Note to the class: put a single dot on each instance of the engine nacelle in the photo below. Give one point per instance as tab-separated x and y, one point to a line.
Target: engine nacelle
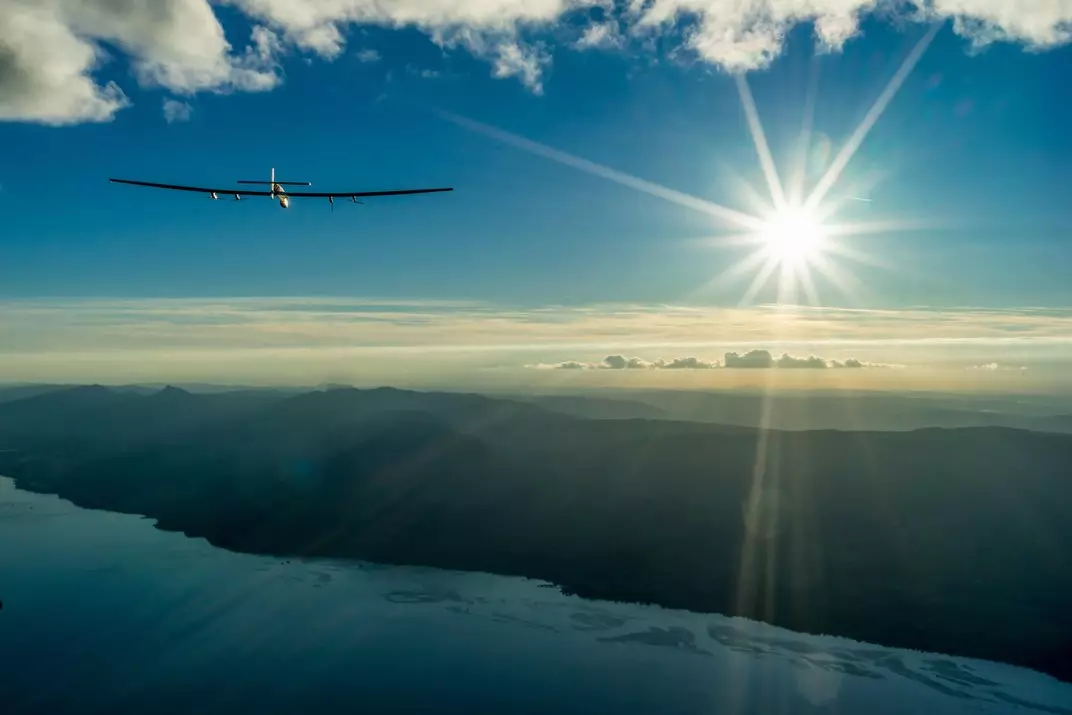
213	196
284	202
238	197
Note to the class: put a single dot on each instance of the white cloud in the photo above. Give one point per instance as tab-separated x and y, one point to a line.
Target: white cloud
809	363
748	34
602	36
45	71
318	25
176	111
688	363
619	362
51	50
368	56
998	367
178	44
763	359
1036	23
80	325
756	359
488	29
526	63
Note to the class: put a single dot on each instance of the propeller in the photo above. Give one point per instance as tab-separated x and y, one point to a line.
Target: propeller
331	202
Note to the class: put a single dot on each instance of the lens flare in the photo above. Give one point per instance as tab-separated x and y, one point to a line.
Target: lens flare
793	236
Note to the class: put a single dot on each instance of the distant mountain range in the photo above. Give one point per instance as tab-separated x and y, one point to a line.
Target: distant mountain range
841	410
949	540
785	410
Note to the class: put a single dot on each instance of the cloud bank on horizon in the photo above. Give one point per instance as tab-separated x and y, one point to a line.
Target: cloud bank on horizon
753	359
52	51
280	339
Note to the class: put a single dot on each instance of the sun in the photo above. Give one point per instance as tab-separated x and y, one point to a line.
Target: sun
793	236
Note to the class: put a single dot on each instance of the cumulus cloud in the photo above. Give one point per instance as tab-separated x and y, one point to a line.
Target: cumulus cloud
319	25
51	50
688	363
733	34
571	365
1039	24
45	71
176	111
368	56
619	362
748	34
492	30
763	359
526	63
809	363
754	359
751	359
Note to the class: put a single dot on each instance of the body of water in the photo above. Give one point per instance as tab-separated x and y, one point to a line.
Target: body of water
104	613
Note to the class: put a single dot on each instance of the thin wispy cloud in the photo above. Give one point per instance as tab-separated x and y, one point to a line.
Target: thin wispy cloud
601	36
51	71
368	56
176	111
303	340
31	325
998	367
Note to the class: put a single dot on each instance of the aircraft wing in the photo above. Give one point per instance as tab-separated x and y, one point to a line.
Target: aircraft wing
198	189
359	194
293	195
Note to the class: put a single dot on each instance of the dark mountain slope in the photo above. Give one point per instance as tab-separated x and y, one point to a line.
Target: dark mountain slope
954	541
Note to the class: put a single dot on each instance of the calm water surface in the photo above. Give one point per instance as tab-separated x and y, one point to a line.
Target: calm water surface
104	613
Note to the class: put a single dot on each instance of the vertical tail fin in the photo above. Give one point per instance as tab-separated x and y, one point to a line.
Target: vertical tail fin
272	187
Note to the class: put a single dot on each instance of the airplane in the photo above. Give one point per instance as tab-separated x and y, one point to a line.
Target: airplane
277	192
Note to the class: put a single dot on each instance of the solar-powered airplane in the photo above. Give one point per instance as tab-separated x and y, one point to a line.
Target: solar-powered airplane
277	192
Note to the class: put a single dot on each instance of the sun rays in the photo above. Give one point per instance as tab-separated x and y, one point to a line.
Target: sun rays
797	237
794	235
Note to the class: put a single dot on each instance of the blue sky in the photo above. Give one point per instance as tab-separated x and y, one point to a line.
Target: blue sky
966	170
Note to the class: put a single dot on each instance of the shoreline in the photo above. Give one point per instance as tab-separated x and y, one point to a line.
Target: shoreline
568	584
